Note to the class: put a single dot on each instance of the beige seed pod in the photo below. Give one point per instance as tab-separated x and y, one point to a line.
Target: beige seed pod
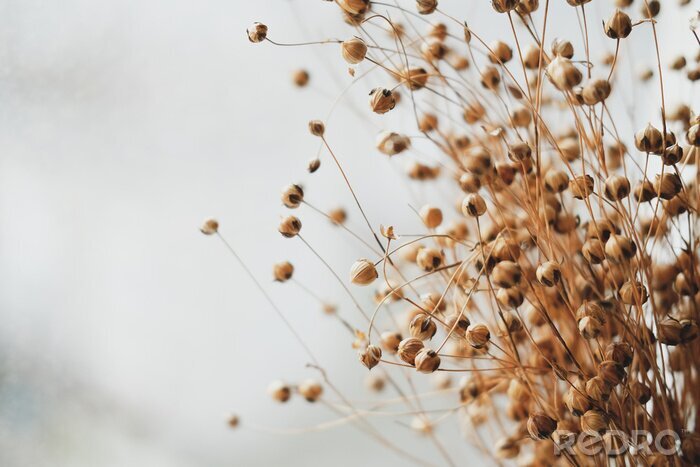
511	297
257	32
540	425
620	249
633	293
353	50
549	273
363	272
667	185
490	78
562	48
469	182
473	112
678	63
375	382
593	250
422	327
569	148
650	8
531	58
596	91
672	155
521	117
576	401
409	348
313	165
620	352
431	216
589	327
426	7
500	52
478	335
507	448
292	196
618	26
456	325
289	227
415	78
669	331
519	151
597	389
429	259
504	6
390	143
644	191
234	421
354	7
563	74
428	122
390	341
370	356
617	187
556	181
434	50
279	391
317	128
473	205
693	135
337	216
381	100
581	187
283	271
594	422
209	227
640	392
525	7
427	360
518	391
310	390
506	274
301	78
611	372
649	139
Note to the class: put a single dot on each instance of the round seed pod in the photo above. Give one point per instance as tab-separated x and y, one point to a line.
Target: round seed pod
426	7
381	100
511	297
594	422
549	273
427	360
678	63
416	78
577	2
510	323
390	143
429	259
521	117
353	50
422	327
370	356
490	78
500	52
433	50
506	274
504	6
581	187
519	151
317	128
618	26
589	327
209	227
375	382
684	286
301	78
469	182
289	227
478	335
457	324
354	7
279	391
672	155
596	91
617	187
633	293
507	448
556	181
257	32
640	392
428	123
531	59
473	112
409	348
611	372
234	421
473	205
540	425
597	389
667	185
669	332
620	352
337	216
650	9
283	271
390	341
363	272
576	401
562	48
431	216
620	249
292	196
563	74
649	139
693	135
313	165
644	191
517	391
593	250
311	390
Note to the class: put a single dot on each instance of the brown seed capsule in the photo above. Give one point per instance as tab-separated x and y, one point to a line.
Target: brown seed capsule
507	448
456	325
234	421
390	143
283	271
500	52
428	122
618	26
644	191
469	183
693	135
540	425
525	7
209	227
597	389
490	78
337	216
279	391
292	196
473	112
313	165
672	155
354	7
589	327
519	151
667	185
549	273
503	6
429	259
611	372
561	48
593	250
426	7
381	100
431	216
576	401
651	8
669	332
633	293
310	390
594	422
473	205
649	139
617	187
640	392
511	297
353	50
390	341
370	356
620	352
257	32
409	348
422	327
427	360
596	91
556	181
363	272
289	227
415	78
478	335
581	187
620	249
506	274
563	74
317	128
375	382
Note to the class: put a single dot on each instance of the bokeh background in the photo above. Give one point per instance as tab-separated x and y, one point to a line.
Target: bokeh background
128	338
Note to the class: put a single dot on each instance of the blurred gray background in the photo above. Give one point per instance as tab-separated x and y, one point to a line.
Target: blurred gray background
126	337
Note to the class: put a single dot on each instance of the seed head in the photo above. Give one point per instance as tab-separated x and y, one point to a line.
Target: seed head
562	48
478	335
370	356
649	139
426	7
422	327
292	196
289	227
598	389
618	26
556	181
314	165
209	227
549	273
525	7
354	7
617	187
317	128
279	391
311	390
581	187
301	78
390	143
596	91
257	32
353	50
620	249
390	341
283	271
363	272
667	185
611	372
234	421
594	422
381	100
563	74
431	216
500	53
427	360
473	205
504	6
640	392
506	274
458	324
409	348
429	259
540	425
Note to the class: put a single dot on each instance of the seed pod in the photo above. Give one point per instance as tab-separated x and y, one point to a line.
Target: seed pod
689	330
556	181
644	191
354	7
257	32
503	6
540	425
422	327
521	117
434	50
617	187
292	196
283	271
684	286
500	52
279	391
640	392
429	259
507	448
428	123
314	165
510	323
649	140
620	352
597	389
693	135
234	421
473	112
594	422
577	2
618	26
381	100
649	9
519	151
478	335
506	274
289	227
619	249
593	250
415	78
426	7
563	74
596	91
469	183
370	356
431	216
561	48
633	293
549	273
456	325
310	390
668	185
363	272
390	143
409	348
490	78
209	227
317	128
427	360
589	327
611	372
669	331
473	205
390	341
353	50
525	7
511	297
375	382
672	154
576	401
300	78
581	187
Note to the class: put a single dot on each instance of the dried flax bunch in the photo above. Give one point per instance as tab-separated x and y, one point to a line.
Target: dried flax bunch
565	292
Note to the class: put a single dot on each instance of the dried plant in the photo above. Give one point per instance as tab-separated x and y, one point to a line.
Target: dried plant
566	290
